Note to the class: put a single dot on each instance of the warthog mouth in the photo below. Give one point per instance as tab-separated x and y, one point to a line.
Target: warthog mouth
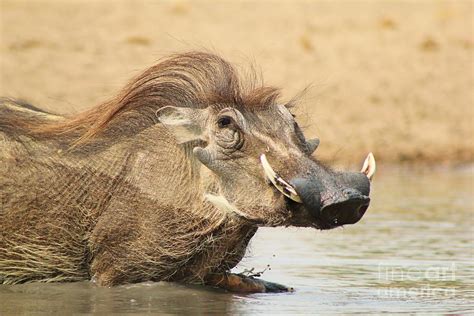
345	205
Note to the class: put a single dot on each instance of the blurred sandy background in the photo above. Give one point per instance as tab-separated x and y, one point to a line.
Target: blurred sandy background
393	77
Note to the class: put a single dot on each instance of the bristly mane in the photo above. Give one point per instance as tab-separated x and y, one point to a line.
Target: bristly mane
193	79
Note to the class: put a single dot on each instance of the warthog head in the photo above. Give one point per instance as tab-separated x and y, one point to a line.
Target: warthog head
264	166
254	159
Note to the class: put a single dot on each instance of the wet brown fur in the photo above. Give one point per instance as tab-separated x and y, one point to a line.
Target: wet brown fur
109	195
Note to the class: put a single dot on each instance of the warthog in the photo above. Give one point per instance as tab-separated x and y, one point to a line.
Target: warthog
167	181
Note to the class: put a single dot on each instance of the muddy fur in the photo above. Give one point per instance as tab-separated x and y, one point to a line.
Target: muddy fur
110	195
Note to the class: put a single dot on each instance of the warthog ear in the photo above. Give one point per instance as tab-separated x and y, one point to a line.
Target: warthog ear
184	123
312	145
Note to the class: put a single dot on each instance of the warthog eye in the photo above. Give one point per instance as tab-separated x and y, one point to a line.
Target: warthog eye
224	121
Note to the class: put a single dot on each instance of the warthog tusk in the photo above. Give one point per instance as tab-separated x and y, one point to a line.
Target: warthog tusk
284	187
369	166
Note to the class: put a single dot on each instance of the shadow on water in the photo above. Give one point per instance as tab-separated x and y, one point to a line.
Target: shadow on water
85	297
412	252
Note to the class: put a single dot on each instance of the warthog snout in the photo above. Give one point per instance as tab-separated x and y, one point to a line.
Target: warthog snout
330	199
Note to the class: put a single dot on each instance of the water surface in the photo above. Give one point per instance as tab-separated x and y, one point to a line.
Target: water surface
412	252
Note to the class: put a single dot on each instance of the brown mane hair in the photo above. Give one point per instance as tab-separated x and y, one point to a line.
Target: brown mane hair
193	79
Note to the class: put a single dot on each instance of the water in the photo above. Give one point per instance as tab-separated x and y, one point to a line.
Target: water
412	252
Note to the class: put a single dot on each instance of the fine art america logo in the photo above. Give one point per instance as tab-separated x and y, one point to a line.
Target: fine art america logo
405	281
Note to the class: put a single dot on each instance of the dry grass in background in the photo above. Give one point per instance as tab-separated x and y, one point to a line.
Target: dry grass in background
392	77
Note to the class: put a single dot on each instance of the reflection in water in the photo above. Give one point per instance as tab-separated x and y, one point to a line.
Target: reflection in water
412	252
84	297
